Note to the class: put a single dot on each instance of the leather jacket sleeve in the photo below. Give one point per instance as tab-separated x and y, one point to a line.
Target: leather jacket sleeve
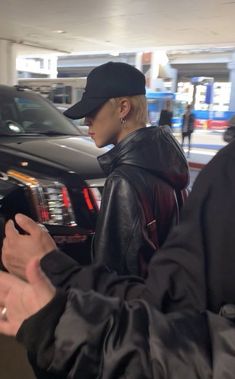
120	234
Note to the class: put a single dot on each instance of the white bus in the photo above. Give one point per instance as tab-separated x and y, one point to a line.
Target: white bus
63	92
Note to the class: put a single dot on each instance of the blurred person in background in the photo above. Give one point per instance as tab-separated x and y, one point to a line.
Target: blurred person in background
188	126
166	115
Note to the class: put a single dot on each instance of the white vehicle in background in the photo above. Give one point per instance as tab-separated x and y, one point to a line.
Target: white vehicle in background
62	92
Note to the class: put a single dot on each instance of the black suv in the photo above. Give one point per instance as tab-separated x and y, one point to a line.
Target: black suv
48	171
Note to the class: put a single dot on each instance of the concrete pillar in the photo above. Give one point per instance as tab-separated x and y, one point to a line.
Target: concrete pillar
7	62
174	74
160	70
53	66
231	67
138	61
154	71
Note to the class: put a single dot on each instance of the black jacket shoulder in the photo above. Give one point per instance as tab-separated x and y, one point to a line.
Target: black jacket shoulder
145	172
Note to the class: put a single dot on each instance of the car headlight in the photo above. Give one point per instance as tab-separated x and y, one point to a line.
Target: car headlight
50	199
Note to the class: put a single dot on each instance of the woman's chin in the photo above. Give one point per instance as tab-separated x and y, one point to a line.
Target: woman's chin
101	143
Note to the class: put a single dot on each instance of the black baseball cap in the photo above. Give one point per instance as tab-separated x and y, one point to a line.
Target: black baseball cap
112	79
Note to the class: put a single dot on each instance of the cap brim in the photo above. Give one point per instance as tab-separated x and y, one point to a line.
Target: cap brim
84	107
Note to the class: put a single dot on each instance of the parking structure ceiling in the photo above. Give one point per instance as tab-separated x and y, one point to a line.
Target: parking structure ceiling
117	25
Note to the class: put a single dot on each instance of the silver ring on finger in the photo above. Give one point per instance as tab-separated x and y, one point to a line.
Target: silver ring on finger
3	314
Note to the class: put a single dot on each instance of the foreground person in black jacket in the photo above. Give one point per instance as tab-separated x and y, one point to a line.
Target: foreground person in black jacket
146	170
86	335
120	332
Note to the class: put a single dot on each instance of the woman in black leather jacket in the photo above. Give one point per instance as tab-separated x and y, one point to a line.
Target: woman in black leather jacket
146	169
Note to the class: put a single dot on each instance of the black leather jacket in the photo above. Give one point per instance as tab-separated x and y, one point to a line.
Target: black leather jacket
146	172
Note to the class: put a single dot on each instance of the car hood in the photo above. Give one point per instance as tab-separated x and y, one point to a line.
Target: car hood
74	153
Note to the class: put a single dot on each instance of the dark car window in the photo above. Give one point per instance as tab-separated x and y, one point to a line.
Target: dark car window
25	112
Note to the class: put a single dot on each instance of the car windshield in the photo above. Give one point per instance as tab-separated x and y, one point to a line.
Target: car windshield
25	113
81	126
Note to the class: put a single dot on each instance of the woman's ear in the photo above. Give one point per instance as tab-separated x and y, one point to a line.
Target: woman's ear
124	107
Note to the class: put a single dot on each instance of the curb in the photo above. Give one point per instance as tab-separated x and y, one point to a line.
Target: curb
196	165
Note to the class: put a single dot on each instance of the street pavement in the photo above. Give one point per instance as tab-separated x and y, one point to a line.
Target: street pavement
13	360
205	144
197	160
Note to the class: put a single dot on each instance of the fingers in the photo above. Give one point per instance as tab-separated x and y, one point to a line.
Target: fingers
26	223
20	300
18	249
7	281
7	329
32	229
10	230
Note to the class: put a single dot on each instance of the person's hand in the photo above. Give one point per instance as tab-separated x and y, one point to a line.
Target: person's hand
18	249
19	299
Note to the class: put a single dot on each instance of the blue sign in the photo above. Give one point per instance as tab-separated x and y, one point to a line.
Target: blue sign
209	93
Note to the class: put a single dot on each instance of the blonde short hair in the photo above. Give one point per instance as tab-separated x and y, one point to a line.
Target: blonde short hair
138	110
